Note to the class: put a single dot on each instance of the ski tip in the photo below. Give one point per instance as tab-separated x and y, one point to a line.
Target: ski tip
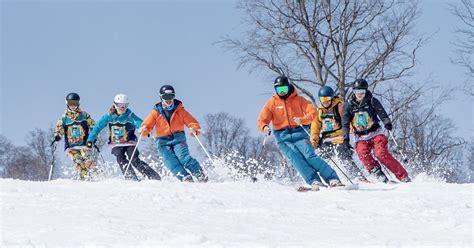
305	189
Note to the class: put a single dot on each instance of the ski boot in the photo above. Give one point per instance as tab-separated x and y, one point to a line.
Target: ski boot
316	185
335	183
405	179
362	178
378	173
188	179
201	177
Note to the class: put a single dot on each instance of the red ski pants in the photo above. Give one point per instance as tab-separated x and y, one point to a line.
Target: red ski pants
379	144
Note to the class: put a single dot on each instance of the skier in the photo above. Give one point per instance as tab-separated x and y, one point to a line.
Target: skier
289	114
327	135
122	123
169	117
75	125
361	114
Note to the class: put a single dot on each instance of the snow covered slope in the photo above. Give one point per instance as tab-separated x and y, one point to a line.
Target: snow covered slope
113	213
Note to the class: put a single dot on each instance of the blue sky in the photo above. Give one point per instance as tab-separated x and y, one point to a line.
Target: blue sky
100	49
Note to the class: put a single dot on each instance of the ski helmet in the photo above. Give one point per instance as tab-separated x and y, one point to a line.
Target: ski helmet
72	99
325	91
281	81
121	98
167	92
360	84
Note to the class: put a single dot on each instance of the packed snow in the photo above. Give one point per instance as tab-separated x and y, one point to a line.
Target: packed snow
114	212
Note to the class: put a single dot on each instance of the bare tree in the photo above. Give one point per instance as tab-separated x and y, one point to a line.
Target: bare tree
425	136
223	133
6	154
23	166
39	142
228	139
29	162
470	155
465	39
6	147
316	42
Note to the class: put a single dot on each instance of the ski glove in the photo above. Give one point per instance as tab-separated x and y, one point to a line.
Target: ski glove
56	139
267	130
388	126
90	144
194	132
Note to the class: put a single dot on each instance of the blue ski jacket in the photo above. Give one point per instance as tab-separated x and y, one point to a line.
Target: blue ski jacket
121	128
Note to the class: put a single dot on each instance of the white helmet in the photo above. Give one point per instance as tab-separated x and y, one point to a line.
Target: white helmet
121	98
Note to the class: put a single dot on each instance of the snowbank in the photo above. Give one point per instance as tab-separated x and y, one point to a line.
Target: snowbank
116	213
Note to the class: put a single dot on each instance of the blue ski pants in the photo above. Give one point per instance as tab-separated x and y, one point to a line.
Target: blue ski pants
295	145
175	153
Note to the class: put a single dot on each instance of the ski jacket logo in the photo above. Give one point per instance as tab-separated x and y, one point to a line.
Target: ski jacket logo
118	134
362	121
75	134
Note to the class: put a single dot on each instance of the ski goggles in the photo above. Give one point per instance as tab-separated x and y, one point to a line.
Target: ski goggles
282	90
121	105
359	91
72	103
325	98
169	96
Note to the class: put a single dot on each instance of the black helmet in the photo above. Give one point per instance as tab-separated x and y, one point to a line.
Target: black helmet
281	81
326	91
167	92
360	84
73	97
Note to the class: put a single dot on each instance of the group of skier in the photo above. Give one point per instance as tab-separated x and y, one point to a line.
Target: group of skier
290	117
168	118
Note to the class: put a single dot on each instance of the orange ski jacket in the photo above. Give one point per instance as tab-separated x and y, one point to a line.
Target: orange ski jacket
280	112
163	128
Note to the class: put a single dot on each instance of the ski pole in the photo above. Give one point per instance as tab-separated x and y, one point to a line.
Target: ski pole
263	146
329	157
52	162
131	158
98	150
202	146
405	159
343	173
306	131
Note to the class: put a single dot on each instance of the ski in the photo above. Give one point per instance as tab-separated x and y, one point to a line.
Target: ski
305	189
342	187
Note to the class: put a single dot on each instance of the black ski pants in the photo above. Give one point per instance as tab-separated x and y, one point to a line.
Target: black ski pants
123	154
